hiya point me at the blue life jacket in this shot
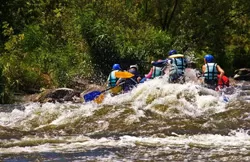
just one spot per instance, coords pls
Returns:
(157, 72)
(179, 60)
(211, 72)
(180, 63)
(112, 79)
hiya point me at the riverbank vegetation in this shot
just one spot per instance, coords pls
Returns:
(45, 44)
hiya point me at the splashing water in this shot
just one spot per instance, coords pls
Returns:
(155, 121)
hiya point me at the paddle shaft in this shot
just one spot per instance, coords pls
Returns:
(112, 87)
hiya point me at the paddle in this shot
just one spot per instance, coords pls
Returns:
(94, 94)
(224, 97)
(123, 74)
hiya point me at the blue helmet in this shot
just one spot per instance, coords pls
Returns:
(172, 52)
(116, 67)
(209, 58)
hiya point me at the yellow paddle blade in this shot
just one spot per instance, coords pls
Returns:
(99, 99)
(123, 74)
(116, 90)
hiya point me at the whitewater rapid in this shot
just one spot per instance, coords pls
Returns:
(155, 121)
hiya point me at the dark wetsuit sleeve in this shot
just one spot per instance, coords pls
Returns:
(159, 63)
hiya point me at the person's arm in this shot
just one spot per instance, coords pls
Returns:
(203, 69)
(119, 81)
(138, 79)
(159, 63)
(138, 76)
(221, 71)
(149, 75)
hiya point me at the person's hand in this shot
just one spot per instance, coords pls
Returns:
(138, 79)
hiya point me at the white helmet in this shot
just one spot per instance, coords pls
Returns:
(134, 66)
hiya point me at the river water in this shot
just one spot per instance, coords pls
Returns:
(156, 121)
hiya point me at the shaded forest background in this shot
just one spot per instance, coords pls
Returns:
(47, 43)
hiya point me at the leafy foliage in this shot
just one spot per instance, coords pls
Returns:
(47, 43)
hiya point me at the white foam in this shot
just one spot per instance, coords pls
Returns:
(190, 99)
(76, 143)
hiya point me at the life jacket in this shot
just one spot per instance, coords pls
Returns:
(179, 61)
(223, 82)
(174, 73)
(112, 79)
(156, 72)
(211, 72)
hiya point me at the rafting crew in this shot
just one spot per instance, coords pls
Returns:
(174, 67)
